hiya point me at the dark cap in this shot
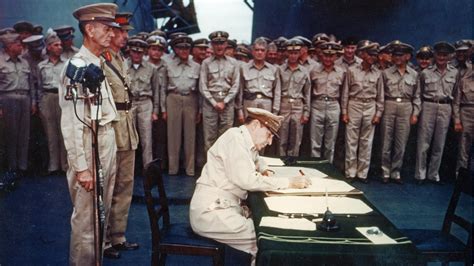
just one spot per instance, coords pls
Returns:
(331, 47)
(293, 44)
(158, 33)
(23, 26)
(231, 43)
(269, 120)
(137, 45)
(368, 46)
(123, 19)
(202, 42)
(402, 48)
(280, 42)
(182, 42)
(462, 45)
(385, 49)
(37, 30)
(304, 40)
(155, 40)
(425, 52)
(218, 36)
(65, 32)
(443, 47)
(34, 42)
(143, 35)
(242, 50)
(350, 41)
(319, 39)
(102, 12)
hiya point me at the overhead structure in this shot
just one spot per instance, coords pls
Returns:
(175, 16)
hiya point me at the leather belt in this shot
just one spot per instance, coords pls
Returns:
(123, 106)
(364, 100)
(252, 96)
(51, 90)
(141, 98)
(438, 101)
(397, 99)
(326, 98)
(291, 100)
(182, 93)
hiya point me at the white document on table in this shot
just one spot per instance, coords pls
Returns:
(320, 186)
(379, 239)
(272, 161)
(319, 204)
(288, 223)
(290, 171)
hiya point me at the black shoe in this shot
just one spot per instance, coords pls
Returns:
(363, 180)
(126, 246)
(398, 181)
(111, 253)
(439, 182)
(420, 182)
(350, 180)
(385, 180)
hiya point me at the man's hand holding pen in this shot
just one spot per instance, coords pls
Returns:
(301, 181)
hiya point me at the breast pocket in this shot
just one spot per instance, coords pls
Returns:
(6, 76)
(213, 73)
(268, 81)
(430, 84)
(193, 79)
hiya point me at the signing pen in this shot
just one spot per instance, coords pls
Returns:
(301, 172)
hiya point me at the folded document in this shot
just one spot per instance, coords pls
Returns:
(288, 223)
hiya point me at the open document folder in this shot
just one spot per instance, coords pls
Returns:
(319, 204)
(320, 183)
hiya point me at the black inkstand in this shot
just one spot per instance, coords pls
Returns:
(329, 223)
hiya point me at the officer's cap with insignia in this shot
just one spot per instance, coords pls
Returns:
(123, 19)
(202, 42)
(23, 26)
(9, 38)
(462, 45)
(137, 45)
(155, 40)
(293, 44)
(352, 40)
(443, 48)
(425, 52)
(266, 118)
(158, 33)
(34, 42)
(218, 36)
(37, 30)
(304, 40)
(402, 48)
(173, 35)
(182, 42)
(280, 43)
(65, 32)
(319, 39)
(385, 49)
(143, 35)
(372, 48)
(330, 48)
(242, 50)
(231, 43)
(103, 13)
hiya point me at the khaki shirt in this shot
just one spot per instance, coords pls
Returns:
(327, 84)
(437, 86)
(73, 129)
(219, 78)
(403, 86)
(342, 62)
(126, 134)
(265, 81)
(463, 94)
(15, 75)
(296, 85)
(363, 85)
(70, 52)
(145, 82)
(309, 63)
(49, 75)
(180, 77)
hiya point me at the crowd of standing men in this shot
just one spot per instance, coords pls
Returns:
(200, 88)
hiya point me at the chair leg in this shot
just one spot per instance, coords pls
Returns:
(162, 260)
(155, 256)
(219, 258)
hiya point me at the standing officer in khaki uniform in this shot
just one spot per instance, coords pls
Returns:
(305, 59)
(436, 85)
(65, 33)
(126, 137)
(461, 60)
(326, 87)
(463, 113)
(219, 85)
(362, 107)
(295, 101)
(402, 107)
(424, 58)
(145, 85)
(95, 22)
(259, 83)
(17, 98)
(50, 71)
(349, 57)
(180, 104)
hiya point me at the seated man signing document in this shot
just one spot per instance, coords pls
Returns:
(233, 167)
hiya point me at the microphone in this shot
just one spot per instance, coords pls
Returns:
(75, 71)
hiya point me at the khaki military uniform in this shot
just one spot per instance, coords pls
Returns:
(463, 112)
(68, 53)
(295, 103)
(436, 94)
(78, 142)
(180, 100)
(16, 96)
(259, 88)
(362, 100)
(159, 136)
(325, 109)
(219, 82)
(126, 137)
(50, 112)
(402, 100)
(310, 64)
(342, 62)
(145, 85)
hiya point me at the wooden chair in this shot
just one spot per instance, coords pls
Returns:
(436, 245)
(173, 238)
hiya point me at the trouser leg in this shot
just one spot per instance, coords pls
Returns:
(439, 137)
(210, 123)
(174, 108)
(425, 134)
(401, 134)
